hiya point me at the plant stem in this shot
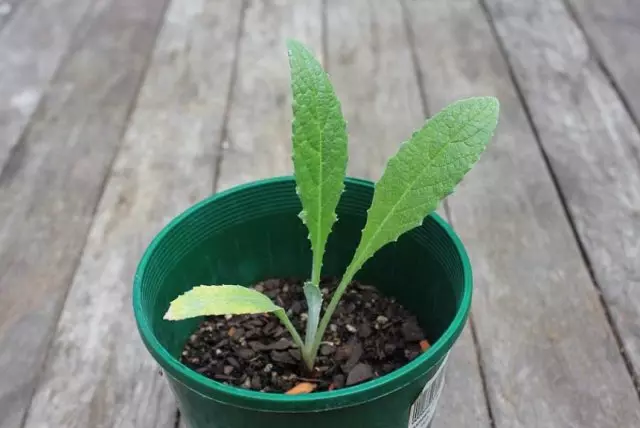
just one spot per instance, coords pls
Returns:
(333, 304)
(282, 315)
(307, 358)
(304, 350)
(313, 296)
(315, 270)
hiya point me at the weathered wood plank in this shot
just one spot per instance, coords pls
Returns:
(463, 403)
(613, 28)
(182, 423)
(50, 188)
(257, 142)
(370, 63)
(549, 356)
(33, 42)
(98, 373)
(592, 145)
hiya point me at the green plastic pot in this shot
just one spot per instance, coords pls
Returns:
(252, 232)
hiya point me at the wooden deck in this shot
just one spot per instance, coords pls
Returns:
(115, 115)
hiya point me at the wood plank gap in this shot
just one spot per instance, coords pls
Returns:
(178, 421)
(156, 106)
(258, 139)
(131, 107)
(178, 104)
(16, 153)
(447, 213)
(445, 204)
(481, 367)
(127, 119)
(224, 131)
(599, 60)
(472, 327)
(371, 66)
(10, 162)
(411, 39)
(43, 216)
(581, 247)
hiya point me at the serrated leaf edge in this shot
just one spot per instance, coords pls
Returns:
(318, 247)
(356, 262)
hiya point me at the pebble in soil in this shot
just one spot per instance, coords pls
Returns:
(370, 335)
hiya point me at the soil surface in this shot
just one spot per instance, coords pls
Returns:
(370, 335)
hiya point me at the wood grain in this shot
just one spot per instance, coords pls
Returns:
(370, 63)
(613, 28)
(549, 356)
(98, 373)
(49, 190)
(257, 141)
(33, 42)
(462, 403)
(592, 145)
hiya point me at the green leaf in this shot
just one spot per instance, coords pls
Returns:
(426, 169)
(219, 300)
(227, 300)
(313, 296)
(319, 138)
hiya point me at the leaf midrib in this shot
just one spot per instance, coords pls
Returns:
(404, 194)
(320, 130)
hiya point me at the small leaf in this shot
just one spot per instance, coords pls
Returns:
(314, 303)
(319, 138)
(219, 300)
(426, 169)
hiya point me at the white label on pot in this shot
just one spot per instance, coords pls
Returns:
(424, 407)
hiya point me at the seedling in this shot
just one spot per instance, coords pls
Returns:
(425, 169)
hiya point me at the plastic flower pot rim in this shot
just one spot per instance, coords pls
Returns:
(278, 402)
